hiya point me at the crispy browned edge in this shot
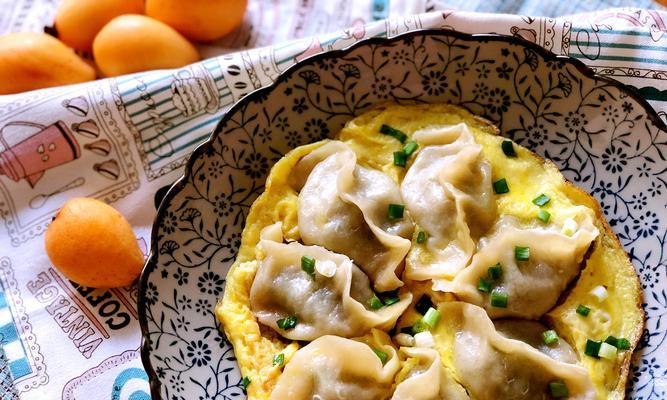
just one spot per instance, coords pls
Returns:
(625, 366)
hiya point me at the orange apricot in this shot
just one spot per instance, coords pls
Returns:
(93, 245)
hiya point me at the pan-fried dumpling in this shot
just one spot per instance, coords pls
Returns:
(335, 305)
(449, 195)
(531, 332)
(343, 207)
(428, 379)
(335, 368)
(531, 286)
(511, 369)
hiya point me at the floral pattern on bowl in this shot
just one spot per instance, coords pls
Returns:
(603, 137)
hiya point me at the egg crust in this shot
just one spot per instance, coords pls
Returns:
(528, 175)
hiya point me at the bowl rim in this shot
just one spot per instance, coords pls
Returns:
(179, 184)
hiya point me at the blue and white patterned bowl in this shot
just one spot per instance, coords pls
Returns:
(603, 137)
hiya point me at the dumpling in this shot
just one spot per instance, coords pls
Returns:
(531, 287)
(336, 305)
(449, 194)
(343, 207)
(511, 369)
(335, 368)
(427, 379)
(531, 332)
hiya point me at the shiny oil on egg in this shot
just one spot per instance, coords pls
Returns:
(134, 43)
(30, 60)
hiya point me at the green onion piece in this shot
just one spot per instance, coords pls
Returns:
(419, 326)
(406, 329)
(500, 186)
(612, 341)
(423, 304)
(375, 303)
(400, 158)
(484, 285)
(410, 148)
(390, 300)
(495, 272)
(499, 298)
(287, 323)
(381, 355)
(421, 237)
(619, 343)
(388, 130)
(308, 264)
(541, 200)
(521, 253)
(395, 211)
(245, 382)
(544, 216)
(592, 348)
(623, 344)
(583, 310)
(508, 148)
(607, 351)
(550, 337)
(431, 317)
(558, 390)
(279, 360)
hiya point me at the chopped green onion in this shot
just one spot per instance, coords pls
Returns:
(592, 348)
(308, 264)
(279, 360)
(619, 343)
(500, 186)
(484, 285)
(558, 390)
(388, 130)
(607, 351)
(287, 323)
(508, 148)
(522, 253)
(400, 158)
(381, 355)
(423, 304)
(499, 298)
(395, 211)
(623, 344)
(245, 382)
(541, 200)
(550, 337)
(375, 303)
(583, 310)
(495, 272)
(419, 326)
(421, 237)
(431, 317)
(390, 300)
(410, 148)
(544, 216)
(407, 329)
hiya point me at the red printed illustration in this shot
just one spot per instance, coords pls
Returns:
(29, 157)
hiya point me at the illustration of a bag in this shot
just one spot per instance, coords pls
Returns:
(27, 157)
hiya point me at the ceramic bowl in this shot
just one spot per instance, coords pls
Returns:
(604, 137)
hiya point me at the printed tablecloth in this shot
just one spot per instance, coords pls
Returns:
(122, 140)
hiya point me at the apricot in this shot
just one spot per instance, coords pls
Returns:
(200, 20)
(93, 245)
(134, 43)
(30, 60)
(79, 21)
